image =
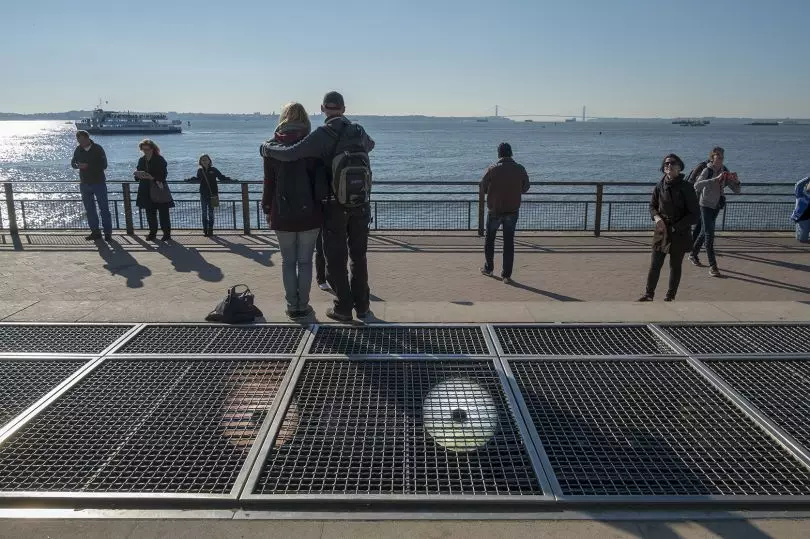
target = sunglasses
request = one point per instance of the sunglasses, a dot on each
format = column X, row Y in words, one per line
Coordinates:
column 670, row 163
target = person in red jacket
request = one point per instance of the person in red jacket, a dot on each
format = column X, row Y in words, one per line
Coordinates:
column 293, row 208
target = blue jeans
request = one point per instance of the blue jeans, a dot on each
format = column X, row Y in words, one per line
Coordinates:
column 92, row 193
column 509, row 222
column 803, row 231
column 705, row 232
column 207, row 212
column 297, row 249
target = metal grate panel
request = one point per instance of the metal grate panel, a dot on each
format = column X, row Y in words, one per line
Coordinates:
column 649, row 428
column 145, row 426
column 399, row 340
column 397, row 427
column 742, row 339
column 23, row 382
column 580, row 341
column 192, row 339
column 780, row 389
column 58, row 338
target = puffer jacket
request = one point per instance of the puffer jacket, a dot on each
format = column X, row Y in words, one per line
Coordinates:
column 802, row 199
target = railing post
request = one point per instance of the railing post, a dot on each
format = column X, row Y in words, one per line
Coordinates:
column 127, row 209
column 597, row 218
column 481, row 198
column 12, row 215
column 245, row 208
column 376, row 221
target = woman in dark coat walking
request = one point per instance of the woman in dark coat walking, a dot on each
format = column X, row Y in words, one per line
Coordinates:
column 674, row 208
column 152, row 171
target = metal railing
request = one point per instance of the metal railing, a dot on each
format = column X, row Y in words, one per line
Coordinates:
column 453, row 206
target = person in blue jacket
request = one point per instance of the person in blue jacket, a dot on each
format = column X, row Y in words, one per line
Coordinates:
column 801, row 213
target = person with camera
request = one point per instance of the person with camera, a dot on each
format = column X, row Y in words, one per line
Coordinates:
column 674, row 208
column 154, row 196
column 207, row 176
column 709, row 186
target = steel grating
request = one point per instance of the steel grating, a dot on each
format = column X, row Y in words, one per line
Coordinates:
column 399, row 340
column 222, row 340
column 742, row 339
column 58, row 338
column 580, row 341
column 779, row 388
column 25, row 381
column 397, row 427
column 649, row 428
column 145, row 426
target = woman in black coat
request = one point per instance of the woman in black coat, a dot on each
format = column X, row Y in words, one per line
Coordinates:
column 674, row 208
column 152, row 171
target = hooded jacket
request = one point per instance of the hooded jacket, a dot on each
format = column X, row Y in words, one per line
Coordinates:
column 802, row 200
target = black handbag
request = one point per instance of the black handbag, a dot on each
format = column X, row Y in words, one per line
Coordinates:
column 159, row 193
column 236, row 308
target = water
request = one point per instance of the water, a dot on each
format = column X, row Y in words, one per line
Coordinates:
column 434, row 150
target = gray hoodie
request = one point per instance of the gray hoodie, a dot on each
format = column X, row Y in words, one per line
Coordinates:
column 710, row 190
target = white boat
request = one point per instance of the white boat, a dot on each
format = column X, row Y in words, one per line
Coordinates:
column 108, row 122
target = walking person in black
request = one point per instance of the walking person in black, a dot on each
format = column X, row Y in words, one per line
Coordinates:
column 674, row 208
column 152, row 171
column 91, row 161
column 207, row 176
column 503, row 184
column 343, row 146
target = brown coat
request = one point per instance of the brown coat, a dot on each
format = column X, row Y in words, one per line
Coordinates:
column 503, row 184
column 677, row 206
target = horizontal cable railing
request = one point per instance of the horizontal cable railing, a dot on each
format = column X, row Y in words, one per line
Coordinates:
column 452, row 206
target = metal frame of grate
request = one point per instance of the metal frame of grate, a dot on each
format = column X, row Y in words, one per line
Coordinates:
column 34, row 339
column 605, row 341
column 335, row 460
column 737, row 340
column 702, row 389
column 400, row 341
column 167, row 404
column 217, row 340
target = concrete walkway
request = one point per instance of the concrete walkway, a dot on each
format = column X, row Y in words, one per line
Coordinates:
column 415, row 277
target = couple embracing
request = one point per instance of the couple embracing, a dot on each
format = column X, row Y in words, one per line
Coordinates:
column 317, row 188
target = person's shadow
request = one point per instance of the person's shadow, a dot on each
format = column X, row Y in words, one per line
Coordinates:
column 187, row 260
column 120, row 262
column 262, row 257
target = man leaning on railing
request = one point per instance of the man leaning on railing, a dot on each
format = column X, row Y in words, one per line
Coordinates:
column 91, row 161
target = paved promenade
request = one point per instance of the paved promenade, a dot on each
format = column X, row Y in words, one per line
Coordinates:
column 415, row 277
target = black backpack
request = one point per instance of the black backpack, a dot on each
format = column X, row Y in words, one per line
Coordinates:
column 350, row 166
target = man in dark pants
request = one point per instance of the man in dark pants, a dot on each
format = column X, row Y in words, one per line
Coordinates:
column 503, row 184
column 91, row 161
column 345, row 229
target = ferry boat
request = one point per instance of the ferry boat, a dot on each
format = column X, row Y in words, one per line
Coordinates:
column 108, row 122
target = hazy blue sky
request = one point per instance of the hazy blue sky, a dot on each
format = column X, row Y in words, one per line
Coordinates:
column 439, row 57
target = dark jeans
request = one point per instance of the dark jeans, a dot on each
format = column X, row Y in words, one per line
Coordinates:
column 320, row 261
column 704, row 231
column 165, row 221
column 207, row 212
column 509, row 222
column 657, row 262
column 346, row 238
column 92, row 193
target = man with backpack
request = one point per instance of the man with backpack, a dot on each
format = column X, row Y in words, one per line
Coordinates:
column 343, row 146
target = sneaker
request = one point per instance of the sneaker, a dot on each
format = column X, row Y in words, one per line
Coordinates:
column 669, row 298
column 107, row 237
column 695, row 260
column 486, row 272
column 325, row 287
column 507, row 280
column 362, row 315
column 151, row 237
column 94, row 235
column 645, row 297
column 166, row 237
column 714, row 272
column 340, row 317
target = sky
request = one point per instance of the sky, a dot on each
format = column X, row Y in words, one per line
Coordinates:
column 620, row 58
